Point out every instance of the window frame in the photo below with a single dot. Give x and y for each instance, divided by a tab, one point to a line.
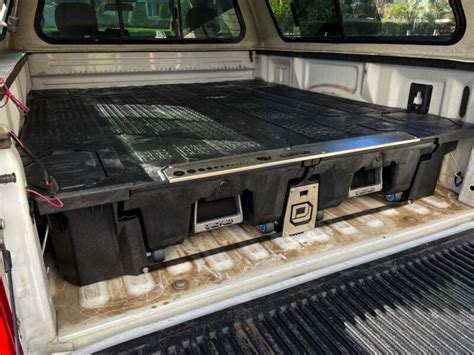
3	32
458	13
130	40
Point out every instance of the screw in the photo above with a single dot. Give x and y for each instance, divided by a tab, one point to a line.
145	270
180	284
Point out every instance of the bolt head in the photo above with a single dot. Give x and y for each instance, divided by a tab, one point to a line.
180	284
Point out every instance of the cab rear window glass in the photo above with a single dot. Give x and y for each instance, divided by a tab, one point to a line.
368	20
80	21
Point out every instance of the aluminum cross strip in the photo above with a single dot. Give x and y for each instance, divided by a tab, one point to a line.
228	165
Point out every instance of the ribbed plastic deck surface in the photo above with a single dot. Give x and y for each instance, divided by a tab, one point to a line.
98	138
418	301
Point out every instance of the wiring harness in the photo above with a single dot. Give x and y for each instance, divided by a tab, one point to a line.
8	95
50	184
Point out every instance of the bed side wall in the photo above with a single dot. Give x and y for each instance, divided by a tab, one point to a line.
33	302
91	70
382	84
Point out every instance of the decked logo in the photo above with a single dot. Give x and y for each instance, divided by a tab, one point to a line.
301	213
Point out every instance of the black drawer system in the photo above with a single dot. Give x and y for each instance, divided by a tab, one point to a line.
140	168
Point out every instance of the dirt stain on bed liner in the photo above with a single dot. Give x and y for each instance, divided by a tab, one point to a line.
80	306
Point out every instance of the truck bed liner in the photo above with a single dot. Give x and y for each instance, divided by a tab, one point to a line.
419	301
130	301
95	140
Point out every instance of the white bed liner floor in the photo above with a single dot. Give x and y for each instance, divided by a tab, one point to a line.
90	313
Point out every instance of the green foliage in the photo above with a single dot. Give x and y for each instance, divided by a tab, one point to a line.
367	17
282	12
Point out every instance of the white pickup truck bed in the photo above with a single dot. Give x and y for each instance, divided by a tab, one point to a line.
100	315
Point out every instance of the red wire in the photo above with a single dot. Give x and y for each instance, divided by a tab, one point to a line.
50	202
57	204
4	90
9	95
17	140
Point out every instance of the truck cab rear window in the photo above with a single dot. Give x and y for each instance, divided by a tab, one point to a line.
131	21
368	20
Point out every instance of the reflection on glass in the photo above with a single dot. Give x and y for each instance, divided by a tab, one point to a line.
356	18
140	19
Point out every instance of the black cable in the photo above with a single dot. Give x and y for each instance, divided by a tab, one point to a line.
266	237
37	161
51	185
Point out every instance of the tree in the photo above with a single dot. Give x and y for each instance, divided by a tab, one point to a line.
404	10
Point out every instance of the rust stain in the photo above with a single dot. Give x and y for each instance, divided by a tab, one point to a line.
66	297
333	86
260	339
